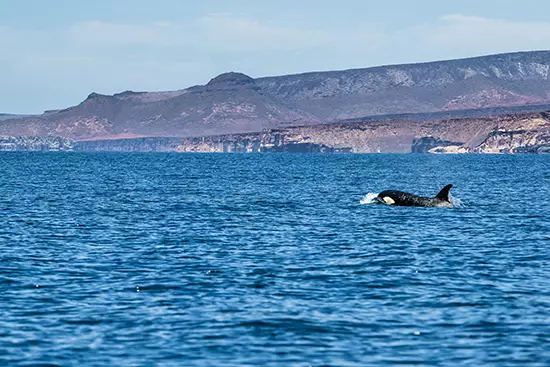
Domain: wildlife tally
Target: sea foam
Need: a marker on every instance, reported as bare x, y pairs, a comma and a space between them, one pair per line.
370, 198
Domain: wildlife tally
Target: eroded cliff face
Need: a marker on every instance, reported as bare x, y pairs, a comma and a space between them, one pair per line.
279, 140
528, 133
391, 136
516, 141
516, 133
34, 143
431, 144
129, 145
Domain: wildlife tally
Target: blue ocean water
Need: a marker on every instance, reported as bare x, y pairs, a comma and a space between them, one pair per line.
112, 259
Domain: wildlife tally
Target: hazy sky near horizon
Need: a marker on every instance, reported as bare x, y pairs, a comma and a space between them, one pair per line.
54, 53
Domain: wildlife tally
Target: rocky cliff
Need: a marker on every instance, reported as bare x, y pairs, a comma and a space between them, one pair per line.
270, 141
35, 143
513, 133
516, 141
236, 103
430, 144
468, 135
129, 145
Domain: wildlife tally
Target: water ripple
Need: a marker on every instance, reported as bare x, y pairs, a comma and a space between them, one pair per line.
271, 260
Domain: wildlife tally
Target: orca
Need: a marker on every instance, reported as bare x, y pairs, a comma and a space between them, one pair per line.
401, 198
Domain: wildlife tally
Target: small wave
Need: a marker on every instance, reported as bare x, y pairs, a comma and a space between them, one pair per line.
370, 198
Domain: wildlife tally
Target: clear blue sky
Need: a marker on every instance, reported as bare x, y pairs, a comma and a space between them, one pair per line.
54, 53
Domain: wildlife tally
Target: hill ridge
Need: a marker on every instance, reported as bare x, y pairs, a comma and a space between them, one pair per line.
233, 102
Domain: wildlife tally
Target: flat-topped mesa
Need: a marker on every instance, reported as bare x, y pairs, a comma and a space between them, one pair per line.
231, 79
97, 95
121, 95
127, 93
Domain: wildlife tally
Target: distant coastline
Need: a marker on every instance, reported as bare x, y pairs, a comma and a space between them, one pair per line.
527, 132
488, 104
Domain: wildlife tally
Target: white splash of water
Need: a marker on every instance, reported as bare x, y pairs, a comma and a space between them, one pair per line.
456, 201
370, 198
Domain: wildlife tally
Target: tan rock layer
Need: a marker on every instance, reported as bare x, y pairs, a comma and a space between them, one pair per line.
389, 136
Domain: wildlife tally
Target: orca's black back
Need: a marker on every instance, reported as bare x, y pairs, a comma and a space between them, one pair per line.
402, 198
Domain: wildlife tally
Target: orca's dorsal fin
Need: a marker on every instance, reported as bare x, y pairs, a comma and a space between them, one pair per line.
444, 193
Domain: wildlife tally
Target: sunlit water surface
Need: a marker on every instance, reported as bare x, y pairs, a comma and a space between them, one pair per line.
271, 260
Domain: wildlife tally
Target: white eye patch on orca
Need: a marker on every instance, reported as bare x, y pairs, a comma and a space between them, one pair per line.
388, 200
